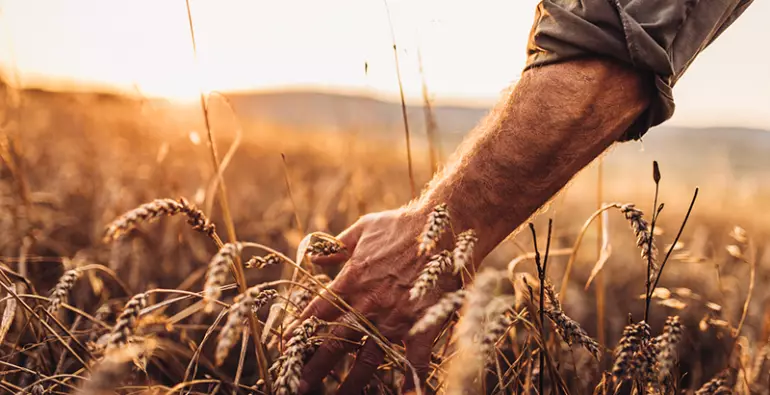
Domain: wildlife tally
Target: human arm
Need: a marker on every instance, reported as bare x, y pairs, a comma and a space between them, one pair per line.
555, 121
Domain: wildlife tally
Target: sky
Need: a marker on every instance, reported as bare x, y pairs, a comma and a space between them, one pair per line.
471, 50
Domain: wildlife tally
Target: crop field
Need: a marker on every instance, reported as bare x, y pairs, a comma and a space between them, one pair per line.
133, 260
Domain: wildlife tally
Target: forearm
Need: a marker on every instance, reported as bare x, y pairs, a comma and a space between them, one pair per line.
556, 120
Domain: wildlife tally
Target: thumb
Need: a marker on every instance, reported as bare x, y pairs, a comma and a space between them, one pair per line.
349, 238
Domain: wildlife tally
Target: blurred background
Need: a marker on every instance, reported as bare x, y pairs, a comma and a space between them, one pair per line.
100, 111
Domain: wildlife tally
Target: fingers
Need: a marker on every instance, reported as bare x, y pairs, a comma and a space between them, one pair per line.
368, 359
326, 357
321, 306
418, 353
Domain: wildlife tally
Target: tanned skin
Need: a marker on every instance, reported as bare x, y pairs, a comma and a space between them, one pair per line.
555, 121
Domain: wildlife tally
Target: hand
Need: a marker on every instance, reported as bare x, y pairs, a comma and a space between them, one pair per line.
376, 281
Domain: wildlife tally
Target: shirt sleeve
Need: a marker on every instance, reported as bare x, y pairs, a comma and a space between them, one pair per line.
659, 37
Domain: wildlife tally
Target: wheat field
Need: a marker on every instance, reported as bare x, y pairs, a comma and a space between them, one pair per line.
120, 273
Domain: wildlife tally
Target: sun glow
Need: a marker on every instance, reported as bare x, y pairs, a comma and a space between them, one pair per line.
469, 50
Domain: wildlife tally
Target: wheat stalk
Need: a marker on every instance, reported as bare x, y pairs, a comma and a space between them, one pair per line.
62, 289
437, 224
289, 368
253, 299
463, 252
216, 275
438, 264
151, 211
437, 313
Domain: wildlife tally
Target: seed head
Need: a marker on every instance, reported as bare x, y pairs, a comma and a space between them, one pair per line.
62, 289
438, 222
126, 322
149, 212
260, 262
216, 276
324, 248
463, 252
298, 348
439, 311
666, 346
438, 264
717, 385
253, 299
642, 231
571, 331
628, 358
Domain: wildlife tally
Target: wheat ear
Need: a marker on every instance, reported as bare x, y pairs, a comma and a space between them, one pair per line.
666, 343
293, 359
126, 322
437, 313
438, 264
151, 211
62, 289
462, 255
437, 224
261, 262
717, 385
643, 234
216, 275
253, 299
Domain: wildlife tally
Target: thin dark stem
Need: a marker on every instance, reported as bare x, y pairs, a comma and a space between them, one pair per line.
648, 281
541, 277
671, 249
403, 106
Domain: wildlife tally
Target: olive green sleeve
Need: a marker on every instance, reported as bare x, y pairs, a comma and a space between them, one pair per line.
658, 37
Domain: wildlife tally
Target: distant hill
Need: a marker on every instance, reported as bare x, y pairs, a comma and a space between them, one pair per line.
694, 154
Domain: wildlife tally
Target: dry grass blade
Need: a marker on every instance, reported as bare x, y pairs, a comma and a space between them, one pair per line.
439, 312
605, 252
437, 224
462, 255
216, 275
9, 313
437, 265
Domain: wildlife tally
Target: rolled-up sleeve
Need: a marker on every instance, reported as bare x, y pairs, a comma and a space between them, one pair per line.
658, 37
